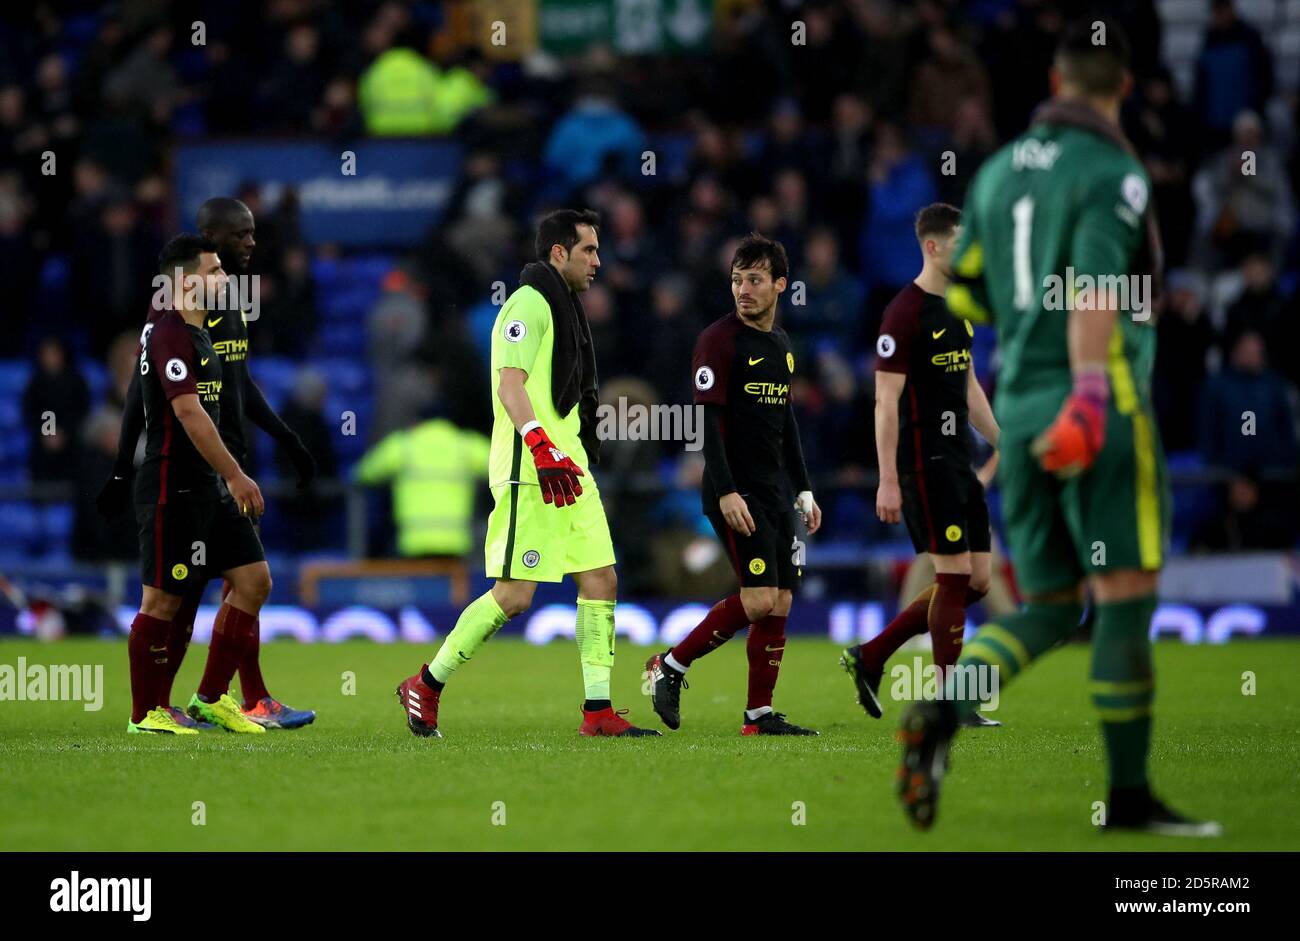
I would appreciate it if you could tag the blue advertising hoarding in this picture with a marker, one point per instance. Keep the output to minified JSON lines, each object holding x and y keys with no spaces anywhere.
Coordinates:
{"x":667,"y":622}
{"x":398,"y":190}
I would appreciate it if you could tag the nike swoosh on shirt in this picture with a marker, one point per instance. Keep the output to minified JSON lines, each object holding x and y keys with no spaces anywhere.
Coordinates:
{"x":755,"y":362}
{"x":213,"y":323}
{"x":936,"y":334}
{"x":204,"y":362}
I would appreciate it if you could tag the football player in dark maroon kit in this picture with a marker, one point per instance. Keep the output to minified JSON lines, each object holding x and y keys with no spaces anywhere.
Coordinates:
{"x":926,"y":395}
{"x":230,"y":225}
{"x":743,"y":368}
{"x":186,"y":528}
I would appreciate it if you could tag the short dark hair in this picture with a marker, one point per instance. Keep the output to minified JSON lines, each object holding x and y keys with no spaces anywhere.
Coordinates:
{"x":219,"y":211}
{"x":561,"y":228}
{"x":755,"y":249}
{"x":1094,"y":68}
{"x":183,"y":252}
{"x":937,"y":219}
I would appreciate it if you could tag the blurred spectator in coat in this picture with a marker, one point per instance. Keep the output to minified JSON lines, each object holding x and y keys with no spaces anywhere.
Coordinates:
{"x":308,"y":512}
{"x":1234,"y":71}
{"x":593,"y":134}
{"x":95,"y":539}
{"x":396,"y":328}
{"x":900,"y":185}
{"x":55,"y":403}
{"x":972,"y":140}
{"x":1253,"y":515}
{"x":947,"y":74}
{"x":1244,"y":197}
{"x":295,"y":81}
{"x":673,"y":331}
{"x":1185,"y":339}
{"x":1261,"y":307}
{"x":1247,"y":419}
{"x":113,"y":266}
{"x":832,"y":308}
{"x":1165,"y":134}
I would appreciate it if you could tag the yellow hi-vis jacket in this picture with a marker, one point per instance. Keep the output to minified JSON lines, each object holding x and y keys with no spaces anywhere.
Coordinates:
{"x":434,"y":467}
{"x":398,"y":95}
{"x":403,"y":94}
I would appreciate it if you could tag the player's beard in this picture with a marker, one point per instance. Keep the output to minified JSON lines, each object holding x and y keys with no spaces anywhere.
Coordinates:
{"x":754,"y":314}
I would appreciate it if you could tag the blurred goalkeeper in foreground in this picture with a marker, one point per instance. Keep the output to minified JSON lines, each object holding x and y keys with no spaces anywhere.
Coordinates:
{"x":1059,"y":249}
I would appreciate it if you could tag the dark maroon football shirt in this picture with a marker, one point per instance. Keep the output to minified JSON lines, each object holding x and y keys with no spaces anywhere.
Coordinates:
{"x":176,"y":358}
{"x":747,"y":372}
{"x":922,"y":340}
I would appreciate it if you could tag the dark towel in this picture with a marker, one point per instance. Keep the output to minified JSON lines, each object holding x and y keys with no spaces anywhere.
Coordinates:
{"x":573,"y":356}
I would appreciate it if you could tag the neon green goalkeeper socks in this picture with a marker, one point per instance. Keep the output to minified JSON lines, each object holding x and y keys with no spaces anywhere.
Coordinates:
{"x":481,"y":619}
{"x":595,"y":636}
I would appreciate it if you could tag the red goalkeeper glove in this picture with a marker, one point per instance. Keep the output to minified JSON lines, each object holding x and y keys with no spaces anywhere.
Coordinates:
{"x":556,"y":472}
{"x":1072,"y":442}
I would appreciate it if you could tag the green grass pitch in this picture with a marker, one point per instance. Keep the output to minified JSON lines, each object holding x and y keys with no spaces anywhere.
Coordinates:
{"x":358,"y":780}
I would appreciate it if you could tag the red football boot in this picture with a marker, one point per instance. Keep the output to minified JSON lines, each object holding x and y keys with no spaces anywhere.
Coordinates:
{"x":608,"y":722}
{"x":421,"y":705}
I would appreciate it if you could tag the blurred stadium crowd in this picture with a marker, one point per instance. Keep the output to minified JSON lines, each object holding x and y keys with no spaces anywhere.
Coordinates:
{"x":830,"y":146}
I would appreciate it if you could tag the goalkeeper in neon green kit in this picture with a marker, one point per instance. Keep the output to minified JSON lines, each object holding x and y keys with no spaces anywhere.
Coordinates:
{"x":548,"y":520}
{"x":1058,"y":238}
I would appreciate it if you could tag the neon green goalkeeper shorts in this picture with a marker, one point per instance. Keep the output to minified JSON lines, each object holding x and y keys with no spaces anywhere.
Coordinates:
{"x":534,"y":541}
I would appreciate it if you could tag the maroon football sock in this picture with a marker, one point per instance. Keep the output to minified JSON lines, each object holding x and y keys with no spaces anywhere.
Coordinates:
{"x":719,"y":626}
{"x":230,"y":635}
{"x":973,"y":595}
{"x":947,"y":620}
{"x":765,"y":647}
{"x":178,"y":642}
{"x":908,"y":623}
{"x":146,"y":650}
{"x":250,"y":670}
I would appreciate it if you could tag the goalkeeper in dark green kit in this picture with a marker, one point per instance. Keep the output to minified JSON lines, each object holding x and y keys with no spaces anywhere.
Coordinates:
{"x":1059,"y":250}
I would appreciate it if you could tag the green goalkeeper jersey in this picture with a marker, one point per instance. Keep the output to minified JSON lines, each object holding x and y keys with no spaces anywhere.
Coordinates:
{"x":522,"y":337}
{"x":1049,"y":219}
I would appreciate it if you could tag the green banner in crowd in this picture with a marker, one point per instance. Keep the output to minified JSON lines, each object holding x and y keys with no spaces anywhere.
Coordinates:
{"x":630,"y":27}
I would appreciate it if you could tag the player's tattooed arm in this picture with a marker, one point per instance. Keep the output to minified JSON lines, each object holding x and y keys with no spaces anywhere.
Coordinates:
{"x":207,"y":441}
{"x":889,"y":498}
